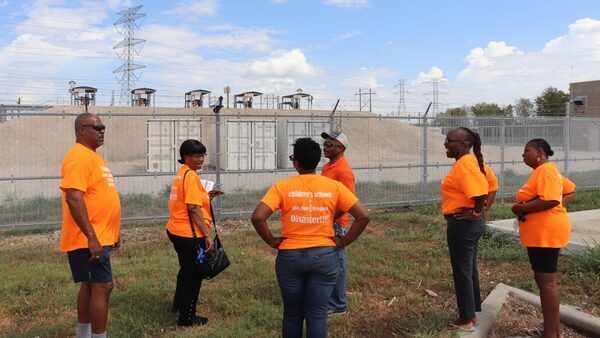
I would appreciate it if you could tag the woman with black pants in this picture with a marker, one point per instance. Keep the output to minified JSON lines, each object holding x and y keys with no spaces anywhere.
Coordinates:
{"x":544,"y":226}
{"x":189,"y":202}
{"x":464,"y":192}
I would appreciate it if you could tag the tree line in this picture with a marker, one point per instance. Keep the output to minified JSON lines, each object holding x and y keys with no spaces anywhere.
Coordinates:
{"x":551,"y":102}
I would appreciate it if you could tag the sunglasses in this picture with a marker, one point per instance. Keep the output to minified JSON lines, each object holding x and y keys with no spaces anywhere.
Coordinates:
{"x":96,"y":127}
{"x":329,"y":145}
{"x":449,"y":140}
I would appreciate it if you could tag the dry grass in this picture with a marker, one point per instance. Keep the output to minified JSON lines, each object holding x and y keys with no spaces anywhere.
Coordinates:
{"x":520,"y":319}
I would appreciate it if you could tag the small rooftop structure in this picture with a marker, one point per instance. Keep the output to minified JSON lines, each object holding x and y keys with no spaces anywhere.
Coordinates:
{"x":195,"y":98}
{"x":294,"y":101}
{"x":143,"y":97}
{"x":83,"y":95}
{"x":244,"y":100}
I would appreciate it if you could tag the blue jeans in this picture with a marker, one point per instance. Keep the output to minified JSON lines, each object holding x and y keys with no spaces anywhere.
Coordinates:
{"x":337,"y":302}
{"x":306,"y":278}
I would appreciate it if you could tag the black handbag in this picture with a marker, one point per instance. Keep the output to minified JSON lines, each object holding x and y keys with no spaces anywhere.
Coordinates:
{"x":214,"y":261}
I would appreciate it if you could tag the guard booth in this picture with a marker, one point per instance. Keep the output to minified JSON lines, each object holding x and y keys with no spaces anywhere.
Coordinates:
{"x":298,"y":100}
{"x":83,"y":95}
{"x":195,"y":98}
{"x":143,"y":97}
{"x":247,"y":99}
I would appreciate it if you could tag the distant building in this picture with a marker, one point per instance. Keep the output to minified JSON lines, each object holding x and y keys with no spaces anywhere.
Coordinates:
{"x":585,"y":97}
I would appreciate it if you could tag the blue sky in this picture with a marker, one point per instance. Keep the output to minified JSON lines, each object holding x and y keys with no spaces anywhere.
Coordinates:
{"x":485,"y":51}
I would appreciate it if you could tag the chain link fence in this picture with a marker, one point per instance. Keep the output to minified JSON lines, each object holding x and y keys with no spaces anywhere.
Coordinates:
{"x":396,"y":160}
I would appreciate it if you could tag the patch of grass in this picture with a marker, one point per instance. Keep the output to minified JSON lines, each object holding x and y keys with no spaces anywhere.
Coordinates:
{"x":499,"y":247}
{"x":402,"y":254}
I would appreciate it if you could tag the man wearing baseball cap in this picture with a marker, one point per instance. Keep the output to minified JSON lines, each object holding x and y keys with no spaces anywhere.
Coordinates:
{"x":338,"y":169}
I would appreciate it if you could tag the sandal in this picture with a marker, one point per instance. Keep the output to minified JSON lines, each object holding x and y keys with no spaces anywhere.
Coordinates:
{"x":466,"y":327}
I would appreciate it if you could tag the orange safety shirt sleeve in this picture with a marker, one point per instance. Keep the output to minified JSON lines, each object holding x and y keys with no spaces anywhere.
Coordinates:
{"x":568,"y":186}
{"x":472,"y":181}
{"x":491,"y":179}
{"x":549,"y":187}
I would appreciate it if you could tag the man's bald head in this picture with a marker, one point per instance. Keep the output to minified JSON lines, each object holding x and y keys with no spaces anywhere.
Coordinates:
{"x":89,"y":130}
{"x":82,"y":119}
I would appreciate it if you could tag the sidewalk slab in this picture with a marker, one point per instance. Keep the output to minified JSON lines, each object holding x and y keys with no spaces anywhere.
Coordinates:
{"x":585,"y":229}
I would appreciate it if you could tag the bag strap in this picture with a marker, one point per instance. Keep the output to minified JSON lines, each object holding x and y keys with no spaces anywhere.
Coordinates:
{"x":212,"y":215}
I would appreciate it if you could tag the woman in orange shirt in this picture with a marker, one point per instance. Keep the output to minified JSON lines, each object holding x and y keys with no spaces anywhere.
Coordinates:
{"x":544,"y":226}
{"x":189,"y":202}
{"x":308,"y":256}
{"x":464,"y":193}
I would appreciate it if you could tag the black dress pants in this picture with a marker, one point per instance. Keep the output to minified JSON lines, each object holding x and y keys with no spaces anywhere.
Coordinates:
{"x":188,"y":278}
{"x":463,"y":237}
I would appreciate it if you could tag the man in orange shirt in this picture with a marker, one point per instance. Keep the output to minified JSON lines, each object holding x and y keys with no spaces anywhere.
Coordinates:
{"x":339,"y":170}
{"x":91,"y":221}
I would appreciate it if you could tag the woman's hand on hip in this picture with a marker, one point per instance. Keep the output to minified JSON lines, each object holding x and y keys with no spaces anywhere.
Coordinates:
{"x":467,"y":214}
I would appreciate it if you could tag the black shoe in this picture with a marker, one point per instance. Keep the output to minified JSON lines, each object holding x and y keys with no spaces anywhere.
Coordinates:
{"x":196,"y":321}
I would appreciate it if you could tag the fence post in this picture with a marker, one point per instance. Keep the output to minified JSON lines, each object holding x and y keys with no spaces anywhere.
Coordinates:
{"x":567,"y":136}
{"x":424,"y":178}
{"x":216,"y":110}
{"x":502,"y":169}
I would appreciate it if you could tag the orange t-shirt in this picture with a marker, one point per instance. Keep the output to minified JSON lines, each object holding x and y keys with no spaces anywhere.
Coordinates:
{"x":340,"y":171}
{"x":491,"y":178}
{"x":464,"y":182}
{"x":179,"y":220}
{"x":85,"y":170}
{"x":549,"y":228}
{"x":308,"y":203}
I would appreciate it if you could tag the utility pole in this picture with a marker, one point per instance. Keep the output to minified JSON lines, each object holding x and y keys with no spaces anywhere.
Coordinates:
{"x":435,"y":82}
{"x":401,"y":101}
{"x":126,"y":49}
{"x":360,"y":93}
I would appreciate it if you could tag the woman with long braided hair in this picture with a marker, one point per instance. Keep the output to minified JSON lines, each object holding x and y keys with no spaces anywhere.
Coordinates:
{"x":464,"y":192}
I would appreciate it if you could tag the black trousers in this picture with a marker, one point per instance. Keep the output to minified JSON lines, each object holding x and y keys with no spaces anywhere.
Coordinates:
{"x":463,"y":237}
{"x":188,"y":278}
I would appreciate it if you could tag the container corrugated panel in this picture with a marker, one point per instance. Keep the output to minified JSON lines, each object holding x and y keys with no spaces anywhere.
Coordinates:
{"x":164,"y":137}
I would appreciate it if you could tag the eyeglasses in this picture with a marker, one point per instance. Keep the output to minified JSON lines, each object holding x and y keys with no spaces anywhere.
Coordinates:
{"x":96,"y":127}
{"x":329,"y":145}
{"x":199,"y":155}
{"x":449,"y":140}
{"x":292,"y":157}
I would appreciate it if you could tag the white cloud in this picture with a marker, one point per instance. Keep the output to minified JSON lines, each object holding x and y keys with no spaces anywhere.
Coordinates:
{"x":4,"y":3}
{"x":283,"y":64}
{"x":347,"y":3}
{"x":191,"y":10}
{"x":502,"y":73}
{"x":346,"y":35}
{"x":279,"y":1}
{"x":366,"y":77}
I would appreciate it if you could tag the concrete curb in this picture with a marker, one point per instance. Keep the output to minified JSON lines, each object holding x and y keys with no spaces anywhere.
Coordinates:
{"x":510,"y":234}
{"x":491,"y":306}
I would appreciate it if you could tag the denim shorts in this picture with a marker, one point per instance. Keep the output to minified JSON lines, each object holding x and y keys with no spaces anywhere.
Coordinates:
{"x":84,"y":270}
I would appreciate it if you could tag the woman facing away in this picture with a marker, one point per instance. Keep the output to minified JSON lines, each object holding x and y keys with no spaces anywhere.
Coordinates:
{"x":308,"y":256}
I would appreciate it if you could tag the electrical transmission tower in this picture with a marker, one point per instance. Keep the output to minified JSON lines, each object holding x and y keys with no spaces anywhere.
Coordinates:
{"x":401,"y":101}
{"x":364,"y":102}
{"x":435,"y":82}
{"x":126,"y":26}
